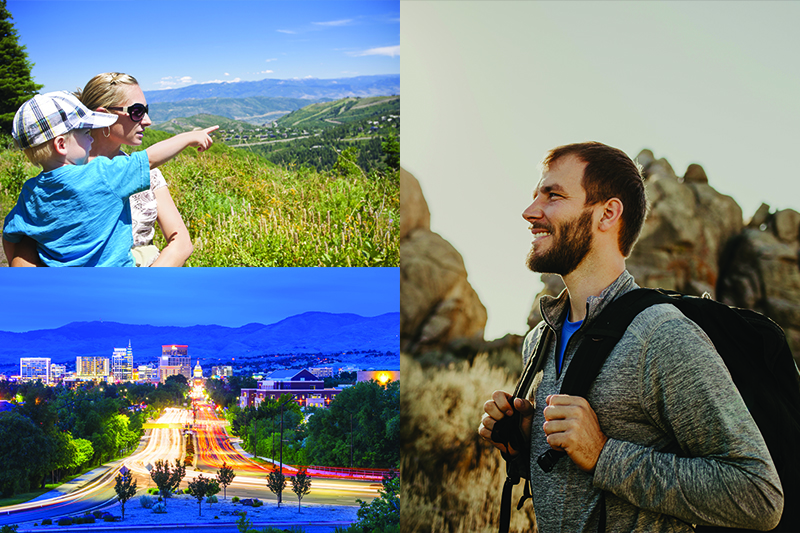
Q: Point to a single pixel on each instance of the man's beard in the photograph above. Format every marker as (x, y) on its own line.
(571, 243)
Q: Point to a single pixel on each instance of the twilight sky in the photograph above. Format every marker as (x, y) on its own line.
(49, 298)
(489, 87)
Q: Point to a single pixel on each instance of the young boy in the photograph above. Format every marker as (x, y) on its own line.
(78, 213)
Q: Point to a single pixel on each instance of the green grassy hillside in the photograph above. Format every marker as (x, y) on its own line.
(344, 111)
(242, 210)
(315, 135)
(202, 120)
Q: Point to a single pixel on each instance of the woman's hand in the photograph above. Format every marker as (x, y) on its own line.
(204, 140)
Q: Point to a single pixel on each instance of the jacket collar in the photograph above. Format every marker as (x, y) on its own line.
(554, 309)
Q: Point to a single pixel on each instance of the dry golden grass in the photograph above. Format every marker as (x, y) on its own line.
(452, 480)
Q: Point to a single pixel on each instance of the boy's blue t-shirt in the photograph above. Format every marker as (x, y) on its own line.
(80, 215)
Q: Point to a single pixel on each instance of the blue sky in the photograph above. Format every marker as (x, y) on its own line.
(49, 298)
(175, 43)
(489, 87)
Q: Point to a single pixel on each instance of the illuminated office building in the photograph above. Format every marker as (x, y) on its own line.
(147, 374)
(122, 364)
(92, 367)
(57, 371)
(34, 368)
(224, 371)
(174, 360)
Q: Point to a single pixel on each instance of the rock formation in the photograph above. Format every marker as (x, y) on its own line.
(686, 231)
(761, 270)
(437, 303)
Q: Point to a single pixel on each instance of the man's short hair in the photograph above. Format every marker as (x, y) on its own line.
(609, 173)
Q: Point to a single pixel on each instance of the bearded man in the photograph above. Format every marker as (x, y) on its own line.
(663, 440)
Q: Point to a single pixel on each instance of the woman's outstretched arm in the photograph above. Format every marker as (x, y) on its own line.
(179, 246)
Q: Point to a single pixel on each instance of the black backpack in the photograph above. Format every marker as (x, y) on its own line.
(754, 350)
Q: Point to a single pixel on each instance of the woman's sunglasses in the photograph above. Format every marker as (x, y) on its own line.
(136, 111)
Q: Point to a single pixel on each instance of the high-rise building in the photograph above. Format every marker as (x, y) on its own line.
(174, 360)
(35, 368)
(92, 367)
(122, 364)
(147, 373)
(57, 371)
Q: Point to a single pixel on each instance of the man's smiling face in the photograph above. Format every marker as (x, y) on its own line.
(560, 222)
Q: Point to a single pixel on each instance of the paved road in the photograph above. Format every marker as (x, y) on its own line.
(94, 490)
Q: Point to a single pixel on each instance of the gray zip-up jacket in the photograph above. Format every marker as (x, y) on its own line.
(682, 448)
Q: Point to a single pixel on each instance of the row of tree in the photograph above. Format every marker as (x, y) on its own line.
(168, 478)
(360, 428)
(225, 393)
(58, 431)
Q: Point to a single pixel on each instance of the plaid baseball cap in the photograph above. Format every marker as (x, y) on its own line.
(45, 116)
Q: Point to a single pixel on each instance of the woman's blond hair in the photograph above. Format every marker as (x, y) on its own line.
(104, 90)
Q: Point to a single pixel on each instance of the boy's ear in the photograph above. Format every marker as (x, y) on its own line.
(60, 144)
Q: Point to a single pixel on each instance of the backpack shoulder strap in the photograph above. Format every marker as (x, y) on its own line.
(534, 364)
(511, 427)
(602, 334)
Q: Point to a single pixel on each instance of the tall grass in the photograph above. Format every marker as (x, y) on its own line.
(241, 210)
(452, 480)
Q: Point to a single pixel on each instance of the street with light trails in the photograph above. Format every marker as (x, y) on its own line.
(164, 441)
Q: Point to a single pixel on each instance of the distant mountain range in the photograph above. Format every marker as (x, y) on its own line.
(312, 332)
(256, 110)
(308, 88)
(260, 102)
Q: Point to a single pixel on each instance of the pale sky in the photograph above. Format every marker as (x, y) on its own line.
(489, 87)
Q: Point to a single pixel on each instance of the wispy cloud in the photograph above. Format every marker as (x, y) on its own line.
(171, 82)
(343, 22)
(176, 82)
(266, 72)
(290, 32)
(390, 51)
(271, 59)
(234, 80)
